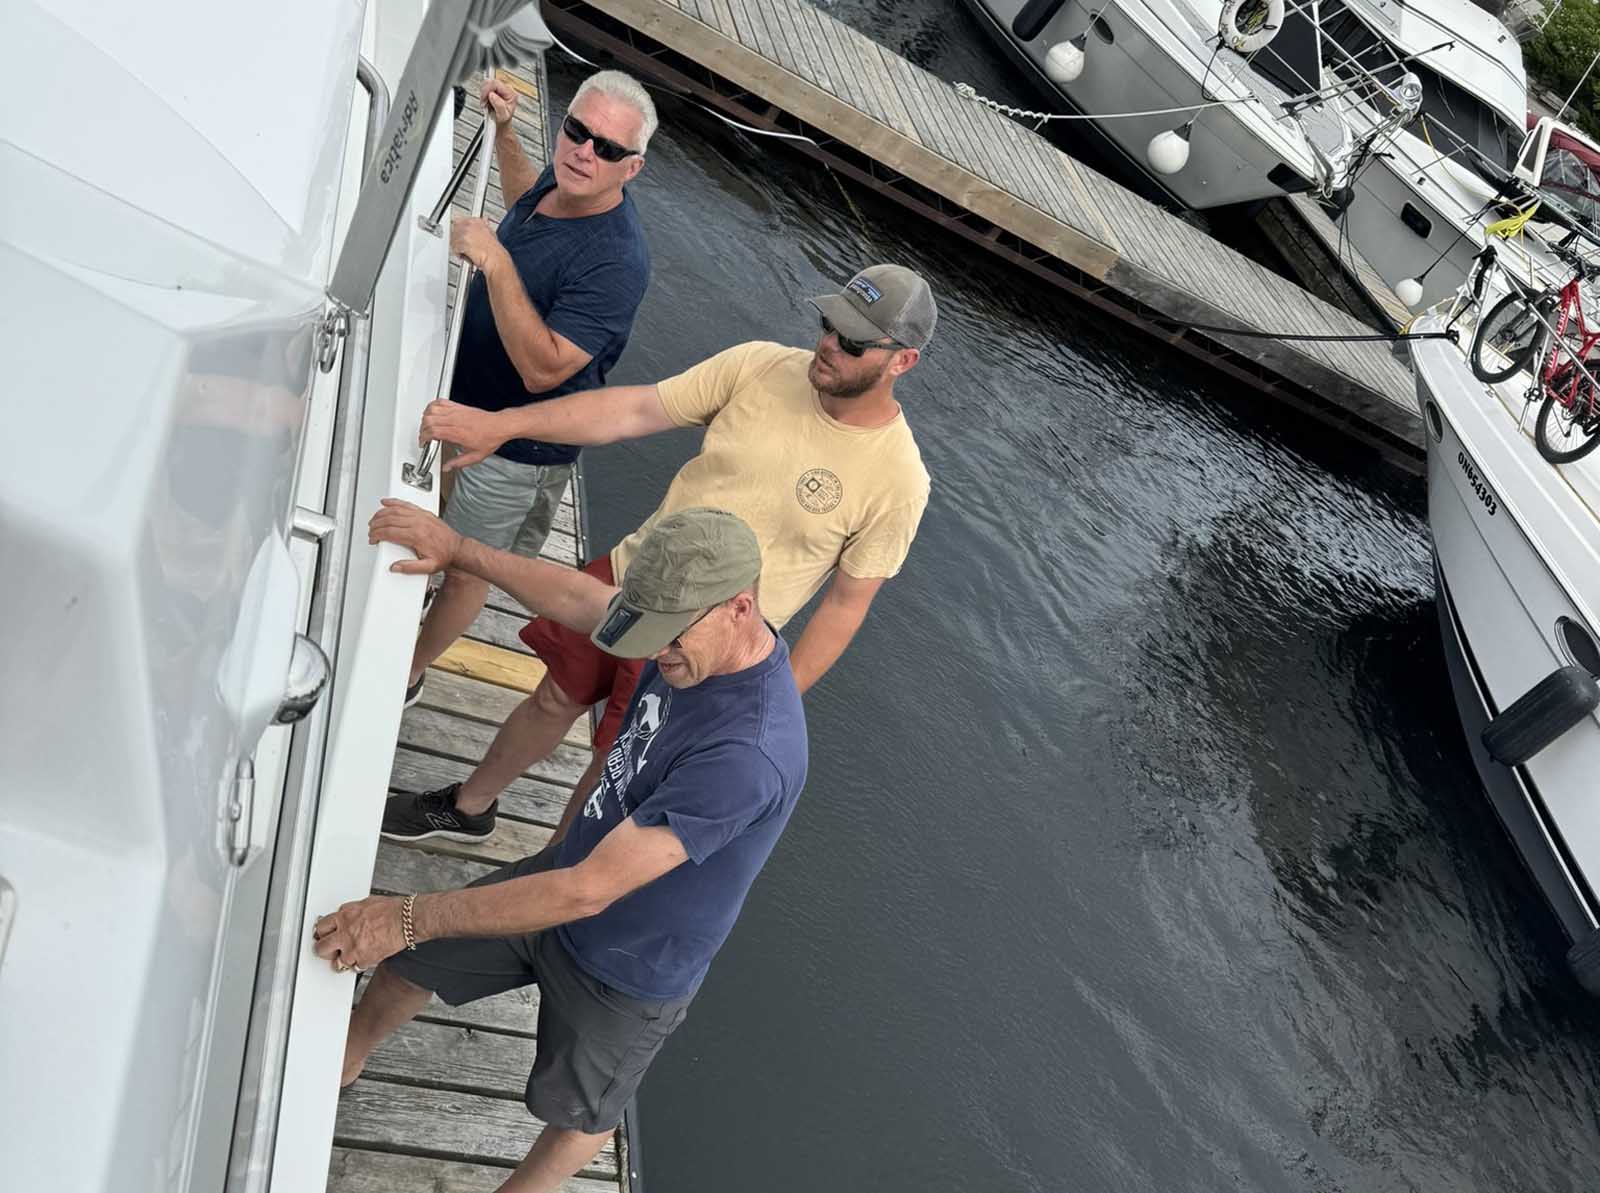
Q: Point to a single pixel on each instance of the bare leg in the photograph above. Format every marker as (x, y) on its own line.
(460, 599)
(388, 1002)
(580, 793)
(532, 732)
(557, 1154)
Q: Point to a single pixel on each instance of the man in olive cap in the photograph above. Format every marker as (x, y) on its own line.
(617, 922)
(807, 445)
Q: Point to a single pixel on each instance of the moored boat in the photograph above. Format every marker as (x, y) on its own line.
(1517, 561)
(1144, 56)
(206, 656)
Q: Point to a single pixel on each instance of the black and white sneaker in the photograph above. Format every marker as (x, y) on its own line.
(414, 692)
(434, 814)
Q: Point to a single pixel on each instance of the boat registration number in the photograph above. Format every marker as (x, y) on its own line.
(1476, 482)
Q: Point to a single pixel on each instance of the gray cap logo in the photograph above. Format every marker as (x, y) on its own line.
(866, 289)
(883, 302)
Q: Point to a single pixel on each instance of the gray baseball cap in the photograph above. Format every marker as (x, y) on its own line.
(883, 302)
(689, 562)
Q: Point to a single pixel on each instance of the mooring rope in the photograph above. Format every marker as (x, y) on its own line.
(968, 91)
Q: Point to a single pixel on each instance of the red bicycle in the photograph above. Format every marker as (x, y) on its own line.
(1545, 332)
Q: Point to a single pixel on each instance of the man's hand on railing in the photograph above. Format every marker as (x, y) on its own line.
(478, 433)
(499, 100)
(474, 239)
(406, 525)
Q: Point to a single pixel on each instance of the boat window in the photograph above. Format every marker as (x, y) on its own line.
(1291, 59)
(1573, 175)
(1469, 118)
(1531, 153)
(1352, 47)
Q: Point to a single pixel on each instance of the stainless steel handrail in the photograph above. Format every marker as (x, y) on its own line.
(420, 474)
(261, 1086)
(469, 155)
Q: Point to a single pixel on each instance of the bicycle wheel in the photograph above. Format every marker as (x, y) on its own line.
(1567, 433)
(1505, 338)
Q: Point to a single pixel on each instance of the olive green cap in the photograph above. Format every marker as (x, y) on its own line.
(690, 561)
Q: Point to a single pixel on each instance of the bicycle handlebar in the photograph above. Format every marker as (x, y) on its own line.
(1586, 269)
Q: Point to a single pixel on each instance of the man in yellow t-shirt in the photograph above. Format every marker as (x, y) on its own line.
(810, 448)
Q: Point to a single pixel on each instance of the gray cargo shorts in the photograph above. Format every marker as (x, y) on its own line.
(506, 505)
(594, 1043)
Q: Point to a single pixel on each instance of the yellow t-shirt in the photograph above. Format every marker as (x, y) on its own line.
(818, 494)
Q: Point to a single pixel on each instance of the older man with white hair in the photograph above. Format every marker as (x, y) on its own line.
(548, 313)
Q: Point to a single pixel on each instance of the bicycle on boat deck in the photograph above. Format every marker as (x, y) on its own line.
(1546, 333)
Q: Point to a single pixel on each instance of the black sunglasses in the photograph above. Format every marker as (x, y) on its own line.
(855, 347)
(605, 148)
(677, 643)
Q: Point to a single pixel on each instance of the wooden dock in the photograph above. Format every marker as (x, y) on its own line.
(1331, 266)
(786, 66)
(439, 1107)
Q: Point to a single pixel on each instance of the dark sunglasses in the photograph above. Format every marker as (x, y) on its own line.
(605, 148)
(855, 347)
(677, 643)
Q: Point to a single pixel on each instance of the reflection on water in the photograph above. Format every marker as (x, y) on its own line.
(1141, 848)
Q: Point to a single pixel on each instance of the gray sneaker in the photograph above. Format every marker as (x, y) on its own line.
(434, 814)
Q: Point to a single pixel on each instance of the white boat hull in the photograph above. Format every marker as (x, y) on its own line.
(1405, 235)
(1228, 161)
(1504, 576)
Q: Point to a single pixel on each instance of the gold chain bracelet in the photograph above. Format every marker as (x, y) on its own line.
(408, 929)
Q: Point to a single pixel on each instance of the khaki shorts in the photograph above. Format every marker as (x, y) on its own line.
(594, 1043)
(506, 505)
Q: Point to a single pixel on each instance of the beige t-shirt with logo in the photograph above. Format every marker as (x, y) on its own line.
(818, 494)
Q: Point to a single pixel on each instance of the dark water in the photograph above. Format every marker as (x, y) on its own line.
(1141, 849)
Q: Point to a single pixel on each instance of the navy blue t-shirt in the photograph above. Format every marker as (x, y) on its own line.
(585, 277)
(721, 765)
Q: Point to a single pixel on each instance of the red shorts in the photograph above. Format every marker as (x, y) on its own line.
(582, 670)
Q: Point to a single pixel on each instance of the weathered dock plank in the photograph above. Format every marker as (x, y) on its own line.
(405, 870)
(1347, 258)
(445, 1124)
(498, 628)
(356, 1171)
(432, 732)
(533, 800)
(459, 1058)
(476, 700)
(484, 661)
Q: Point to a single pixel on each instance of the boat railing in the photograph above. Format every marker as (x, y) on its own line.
(419, 474)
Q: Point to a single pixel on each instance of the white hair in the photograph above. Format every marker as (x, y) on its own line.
(626, 89)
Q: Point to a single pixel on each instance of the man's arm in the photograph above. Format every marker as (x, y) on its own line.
(839, 615)
(517, 173)
(576, 600)
(627, 858)
(368, 931)
(584, 419)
